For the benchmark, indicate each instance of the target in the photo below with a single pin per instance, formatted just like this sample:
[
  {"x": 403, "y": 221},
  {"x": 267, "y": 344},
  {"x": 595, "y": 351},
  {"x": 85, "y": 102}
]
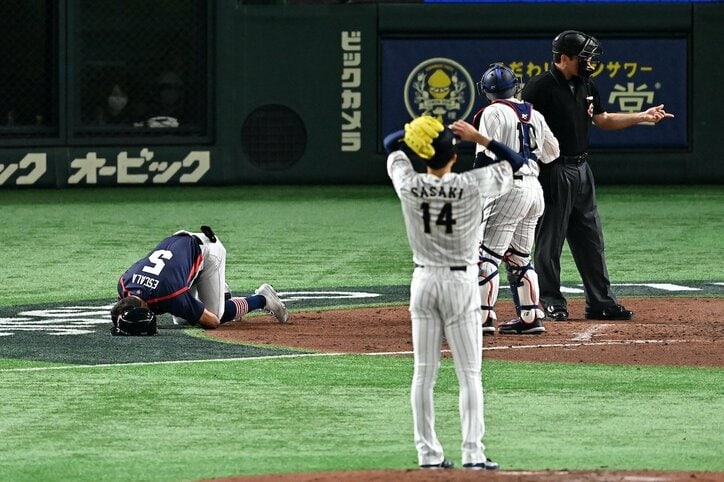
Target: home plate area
[{"x": 664, "y": 331}]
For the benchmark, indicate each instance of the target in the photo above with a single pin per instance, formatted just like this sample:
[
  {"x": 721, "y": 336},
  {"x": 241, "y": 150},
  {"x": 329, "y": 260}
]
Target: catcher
[
  {"x": 185, "y": 275},
  {"x": 509, "y": 220}
]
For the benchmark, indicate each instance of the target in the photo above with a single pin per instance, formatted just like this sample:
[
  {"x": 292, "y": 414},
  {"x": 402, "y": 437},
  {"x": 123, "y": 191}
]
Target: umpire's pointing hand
[{"x": 656, "y": 114}]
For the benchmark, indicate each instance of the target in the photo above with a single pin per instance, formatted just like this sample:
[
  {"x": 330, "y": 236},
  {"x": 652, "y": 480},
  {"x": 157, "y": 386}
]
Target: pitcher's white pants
[{"x": 447, "y": 303}]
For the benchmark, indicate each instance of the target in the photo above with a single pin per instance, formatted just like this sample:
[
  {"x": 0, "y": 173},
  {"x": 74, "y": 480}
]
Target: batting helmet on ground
[{"x": 131, "y": 319}]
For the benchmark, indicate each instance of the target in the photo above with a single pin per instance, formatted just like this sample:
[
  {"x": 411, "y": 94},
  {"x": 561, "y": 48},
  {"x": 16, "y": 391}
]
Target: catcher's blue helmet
[{"x": 498, "y": 82}]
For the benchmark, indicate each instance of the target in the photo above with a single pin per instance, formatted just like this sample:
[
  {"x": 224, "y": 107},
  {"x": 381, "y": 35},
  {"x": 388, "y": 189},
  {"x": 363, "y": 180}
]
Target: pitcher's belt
[{"x": 452, "y": 268}]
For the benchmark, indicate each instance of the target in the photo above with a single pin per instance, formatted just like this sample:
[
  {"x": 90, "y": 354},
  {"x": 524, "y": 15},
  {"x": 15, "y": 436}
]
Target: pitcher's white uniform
[
  {"x": 509, "y": 220},
  {"x": 442, "y": 216}
]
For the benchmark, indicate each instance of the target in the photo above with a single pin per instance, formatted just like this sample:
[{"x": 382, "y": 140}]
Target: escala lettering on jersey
[
  {"x": 438, "y": 191},
  {"x": 145, "y": 281}
]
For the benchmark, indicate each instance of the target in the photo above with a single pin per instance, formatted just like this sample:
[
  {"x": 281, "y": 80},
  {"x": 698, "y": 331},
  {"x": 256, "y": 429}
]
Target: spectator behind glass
[
  {"x": 114, "y": 108},
  {"x": 168, "y": 107}
]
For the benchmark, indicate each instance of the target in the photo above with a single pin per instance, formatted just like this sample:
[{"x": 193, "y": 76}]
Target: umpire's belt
[
  {"x": 452, "y": 268},
  {"x": 576, "y": 160}
]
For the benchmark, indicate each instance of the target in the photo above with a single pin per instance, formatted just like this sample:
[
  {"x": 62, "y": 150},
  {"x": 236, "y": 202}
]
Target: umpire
[{"x": 570, "y": 102}]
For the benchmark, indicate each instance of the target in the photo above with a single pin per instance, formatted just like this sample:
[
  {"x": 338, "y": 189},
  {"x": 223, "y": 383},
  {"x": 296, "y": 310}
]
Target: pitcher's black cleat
[
  {"x": 487, "y": 465},
  {"x": 445, "y": 464}
]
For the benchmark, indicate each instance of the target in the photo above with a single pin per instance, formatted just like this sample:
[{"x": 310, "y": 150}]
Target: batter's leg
[{"x": 211, "y": 283}]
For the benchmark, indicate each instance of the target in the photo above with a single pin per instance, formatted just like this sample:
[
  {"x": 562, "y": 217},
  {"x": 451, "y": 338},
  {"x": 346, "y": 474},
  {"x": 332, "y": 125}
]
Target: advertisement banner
[{"x": 438, "y": 77}]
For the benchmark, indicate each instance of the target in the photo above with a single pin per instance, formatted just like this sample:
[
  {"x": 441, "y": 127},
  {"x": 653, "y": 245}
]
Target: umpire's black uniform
[{"x": 571, "y": 210}]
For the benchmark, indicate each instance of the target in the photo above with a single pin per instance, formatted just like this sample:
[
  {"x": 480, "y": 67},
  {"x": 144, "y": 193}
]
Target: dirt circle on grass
[{"x": 664, "y": 331}]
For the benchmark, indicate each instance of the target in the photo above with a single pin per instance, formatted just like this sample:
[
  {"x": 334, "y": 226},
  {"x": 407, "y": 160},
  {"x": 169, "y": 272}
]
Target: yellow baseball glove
[{"x": 420, "y": 133}]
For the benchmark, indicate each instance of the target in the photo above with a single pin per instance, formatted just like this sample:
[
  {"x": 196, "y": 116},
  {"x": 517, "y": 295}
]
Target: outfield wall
[{"x": 300, "y": 94}]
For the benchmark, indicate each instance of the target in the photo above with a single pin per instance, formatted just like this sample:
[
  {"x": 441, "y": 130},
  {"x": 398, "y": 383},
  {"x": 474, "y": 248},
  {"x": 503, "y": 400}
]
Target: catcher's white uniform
[
  {"x": 509, "y": 221},
  {"x": 442, "y": 216}
]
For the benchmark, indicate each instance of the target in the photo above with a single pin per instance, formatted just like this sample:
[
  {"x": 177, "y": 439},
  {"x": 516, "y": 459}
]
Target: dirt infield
[
  {"x": 415, "y": 475},
  {"x": 678, "y": 331},
  {"x": 672, "y": 331}
]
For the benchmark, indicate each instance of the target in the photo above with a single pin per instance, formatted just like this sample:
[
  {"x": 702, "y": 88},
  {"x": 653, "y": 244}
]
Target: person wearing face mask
[
  {"x": 115, "y": 108},
  {"x": 570, "y": 103}
]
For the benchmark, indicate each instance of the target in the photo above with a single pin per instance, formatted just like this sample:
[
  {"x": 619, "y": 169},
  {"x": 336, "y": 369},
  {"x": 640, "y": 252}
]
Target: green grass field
[{"x": 204, "y": 419}]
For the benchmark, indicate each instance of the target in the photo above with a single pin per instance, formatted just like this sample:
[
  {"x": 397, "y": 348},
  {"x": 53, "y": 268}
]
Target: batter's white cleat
[{"x": 273, "y": 304}]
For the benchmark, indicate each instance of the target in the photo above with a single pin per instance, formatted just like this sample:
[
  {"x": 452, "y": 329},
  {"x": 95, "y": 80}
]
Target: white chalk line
[
  {"x": 584, "y": 343},
  {"x": 588, "y": 334},
  {"x": 627, "y": 478},
  {"x": 316, "y": 355}
]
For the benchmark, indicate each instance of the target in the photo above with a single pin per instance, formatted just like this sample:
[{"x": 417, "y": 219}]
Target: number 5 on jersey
[{"x": 157, "y": 258}]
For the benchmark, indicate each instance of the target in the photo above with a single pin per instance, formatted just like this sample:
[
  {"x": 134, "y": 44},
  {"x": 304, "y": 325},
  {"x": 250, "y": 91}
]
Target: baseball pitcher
[{"x": 442, "y": 215}]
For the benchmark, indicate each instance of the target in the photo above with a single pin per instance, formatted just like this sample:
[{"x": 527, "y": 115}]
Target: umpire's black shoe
[
  {"x": 615, "y": 312},
  {"x": 487, "y": 465},
  {"x": 445, "y": 464},
  {"x": 556, "y": 312}
]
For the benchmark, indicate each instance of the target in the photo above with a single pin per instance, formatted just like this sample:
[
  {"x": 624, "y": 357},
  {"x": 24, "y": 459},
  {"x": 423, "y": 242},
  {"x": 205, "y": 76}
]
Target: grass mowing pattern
[
  {"x": 76, "y": 243},
  {"x": 292, "y": 237},
  {"x": 602, "y": 416},
  {"x": 649, "y": 231},
  {"x": 190, "y": 421}
]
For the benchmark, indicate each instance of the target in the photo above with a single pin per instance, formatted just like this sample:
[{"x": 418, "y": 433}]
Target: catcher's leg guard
[
  {"x": 488, "y": 281},
  {"x": 523, "y": 282}
]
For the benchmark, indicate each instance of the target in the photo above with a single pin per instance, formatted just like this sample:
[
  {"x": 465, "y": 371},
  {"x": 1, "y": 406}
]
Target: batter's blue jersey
[{"x": 163, "y": 278}]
